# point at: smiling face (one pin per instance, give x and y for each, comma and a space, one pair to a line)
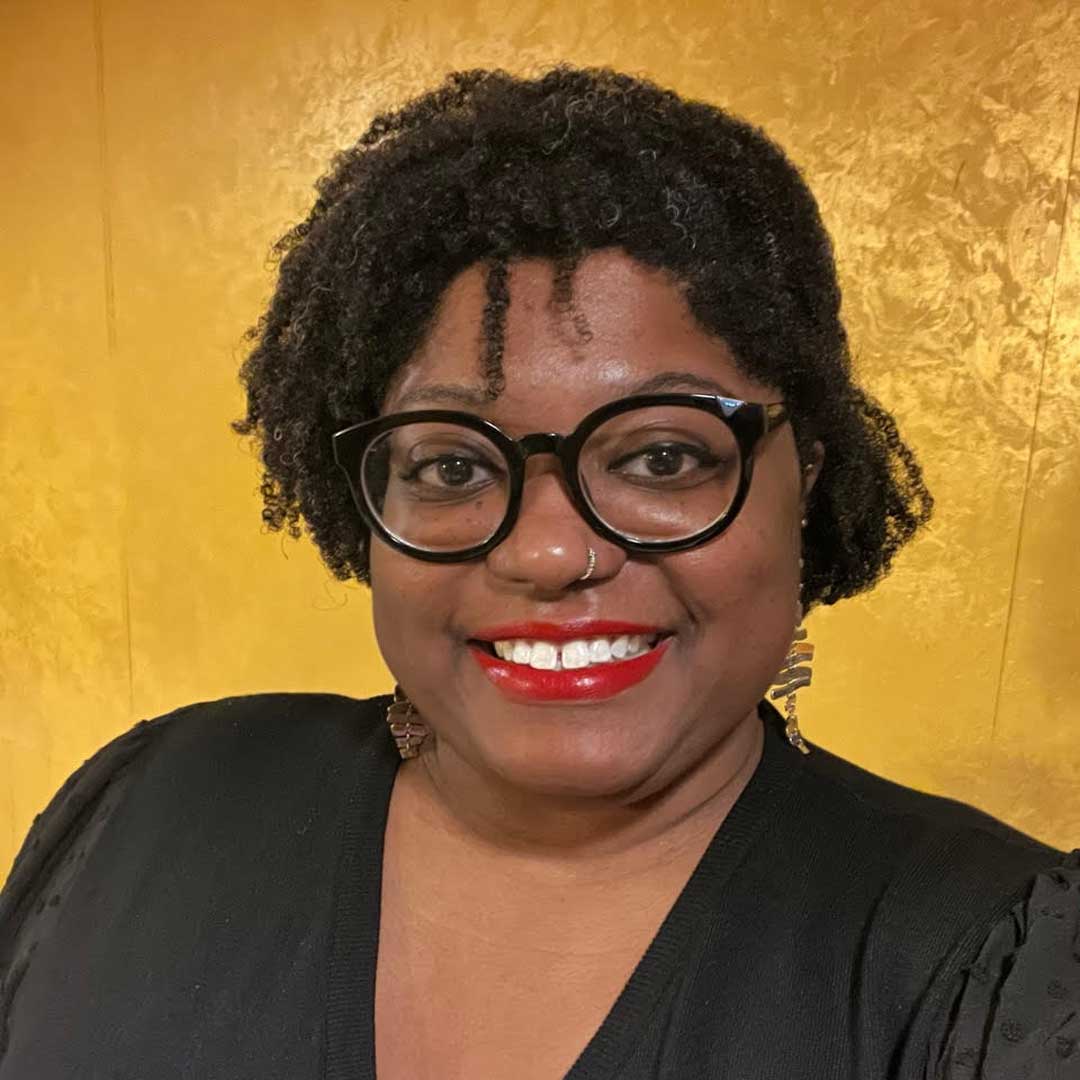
722, 613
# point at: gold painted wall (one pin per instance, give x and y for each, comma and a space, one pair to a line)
151, 154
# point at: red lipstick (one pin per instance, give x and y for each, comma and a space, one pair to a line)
520, 682
523, 683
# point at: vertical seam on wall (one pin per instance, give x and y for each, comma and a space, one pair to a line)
106, 187
1070, 165
12, 839
110, 288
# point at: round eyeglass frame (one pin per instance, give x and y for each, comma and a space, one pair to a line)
749, 421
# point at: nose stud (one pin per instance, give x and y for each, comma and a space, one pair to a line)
590, 567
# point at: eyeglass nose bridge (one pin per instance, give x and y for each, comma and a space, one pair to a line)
561, 447
547, 442
540, 442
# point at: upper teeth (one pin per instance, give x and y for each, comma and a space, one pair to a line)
549, 656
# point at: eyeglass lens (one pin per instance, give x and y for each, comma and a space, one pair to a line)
657, 473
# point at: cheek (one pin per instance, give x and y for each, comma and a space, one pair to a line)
741, 595
747, 569
409, 606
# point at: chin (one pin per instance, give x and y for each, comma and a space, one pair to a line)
571, 758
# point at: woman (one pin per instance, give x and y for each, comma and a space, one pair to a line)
556, 366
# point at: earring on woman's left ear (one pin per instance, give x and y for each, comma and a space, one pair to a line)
406, 724
795, 674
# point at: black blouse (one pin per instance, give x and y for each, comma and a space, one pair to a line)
201, 899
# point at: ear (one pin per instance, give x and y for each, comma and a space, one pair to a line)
812, 470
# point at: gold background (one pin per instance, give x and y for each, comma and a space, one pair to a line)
153, 152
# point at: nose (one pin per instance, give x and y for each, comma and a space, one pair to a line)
548, 548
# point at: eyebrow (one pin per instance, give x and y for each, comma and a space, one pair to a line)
439, 393
478, 397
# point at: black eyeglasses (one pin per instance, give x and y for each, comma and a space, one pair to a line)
650, 473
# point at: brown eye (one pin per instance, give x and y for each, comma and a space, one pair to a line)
662, 460
449, 471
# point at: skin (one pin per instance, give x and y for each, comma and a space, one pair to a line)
523, 825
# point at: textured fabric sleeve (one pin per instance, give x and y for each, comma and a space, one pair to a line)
48, 860
1016, 1015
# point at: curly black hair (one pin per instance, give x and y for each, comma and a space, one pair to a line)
489, 167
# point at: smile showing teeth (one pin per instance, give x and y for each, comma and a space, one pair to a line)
581, 653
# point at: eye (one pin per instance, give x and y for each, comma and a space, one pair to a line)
660, 461
450, 471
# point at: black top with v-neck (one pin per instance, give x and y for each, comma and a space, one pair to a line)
201, 899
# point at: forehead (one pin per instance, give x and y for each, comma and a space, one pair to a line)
626, 324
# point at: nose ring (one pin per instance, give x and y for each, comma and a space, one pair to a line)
590, 567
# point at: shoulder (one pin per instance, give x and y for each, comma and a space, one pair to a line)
304, 722
939, 893
268, 715
936, 838
274, 721
182, 751
156, 848
936, 880
250, 731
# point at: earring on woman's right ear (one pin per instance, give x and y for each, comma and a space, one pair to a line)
406, 724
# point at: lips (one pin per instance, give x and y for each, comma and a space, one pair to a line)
522, 682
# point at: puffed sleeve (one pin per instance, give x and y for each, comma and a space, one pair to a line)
1016, 1015
48, 861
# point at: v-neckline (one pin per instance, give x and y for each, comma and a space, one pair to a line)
349, 1047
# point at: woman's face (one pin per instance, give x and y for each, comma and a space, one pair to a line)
726, 610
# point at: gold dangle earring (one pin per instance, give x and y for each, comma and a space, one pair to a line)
795, 674
406, 724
